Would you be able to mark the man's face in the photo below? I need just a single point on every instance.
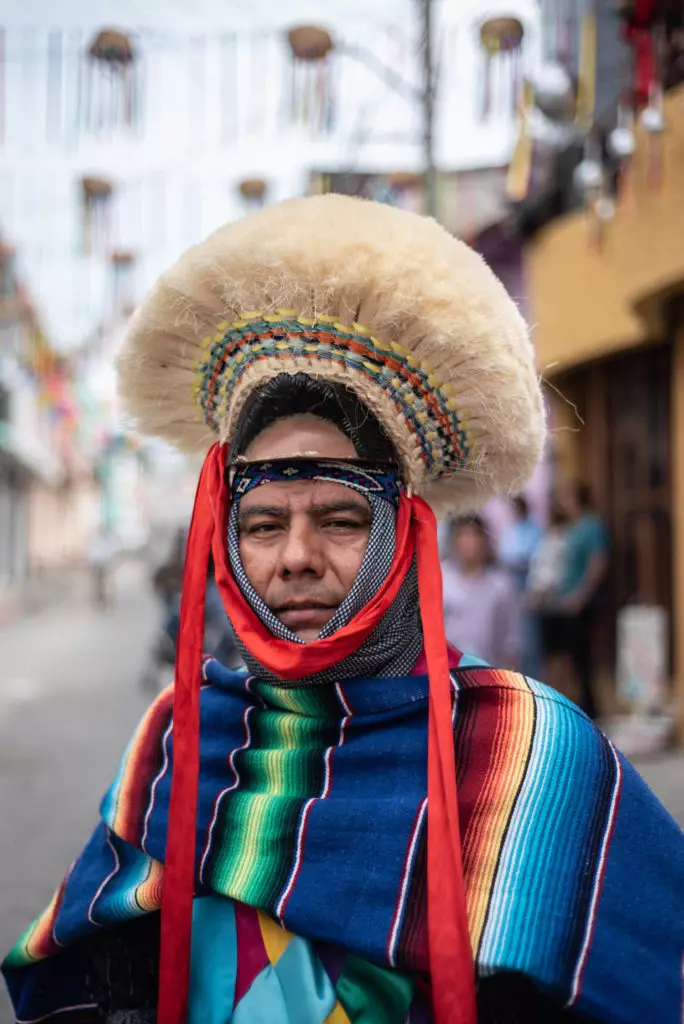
(302, 543)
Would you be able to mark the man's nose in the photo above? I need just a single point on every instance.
(301, 552)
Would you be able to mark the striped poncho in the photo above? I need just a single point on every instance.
(311, 847)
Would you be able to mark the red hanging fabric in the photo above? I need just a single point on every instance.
(179, 871)
(451, 963)
(451, 960)
(638, 33)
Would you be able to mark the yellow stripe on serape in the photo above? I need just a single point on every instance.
(276, 939)
(338, 1016)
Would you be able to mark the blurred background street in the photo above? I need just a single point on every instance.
(69, 701)
(548, 134)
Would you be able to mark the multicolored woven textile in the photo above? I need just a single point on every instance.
(574, 872)
(429, 409)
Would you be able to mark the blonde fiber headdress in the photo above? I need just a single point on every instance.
(372, 297)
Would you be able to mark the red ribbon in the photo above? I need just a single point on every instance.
(638, 33)
(451, 962)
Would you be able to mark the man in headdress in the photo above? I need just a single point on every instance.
(365, 825)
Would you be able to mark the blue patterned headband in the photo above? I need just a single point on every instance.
(381, 480)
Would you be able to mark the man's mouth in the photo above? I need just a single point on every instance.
(304, 614)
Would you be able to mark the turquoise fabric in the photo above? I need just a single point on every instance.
(307, 990)
(585, 539)
(296, 989)
(213, 961)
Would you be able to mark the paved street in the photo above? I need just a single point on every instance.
(68, 703)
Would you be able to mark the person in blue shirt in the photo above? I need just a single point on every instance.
(584, 570)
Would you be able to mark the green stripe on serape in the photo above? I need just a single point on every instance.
(255, 833)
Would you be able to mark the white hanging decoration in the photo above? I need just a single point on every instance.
(554, 92)
(588, 175)
(621, 143)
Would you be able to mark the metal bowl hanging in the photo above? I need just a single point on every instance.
(309, 42)
(501, 40)
(122, 258)
(110, 84)
(253, 190)
(501, 35)
(97, 188)
(112, 47)
(311, 48)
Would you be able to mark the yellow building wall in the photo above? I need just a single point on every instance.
(590, 302)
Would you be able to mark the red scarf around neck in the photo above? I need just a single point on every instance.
(451, 961)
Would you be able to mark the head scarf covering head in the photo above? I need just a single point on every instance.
(394, 646)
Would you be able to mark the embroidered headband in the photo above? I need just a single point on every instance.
(367, 478)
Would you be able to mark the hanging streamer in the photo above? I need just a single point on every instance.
(228, 88)
(54, 86)
(197, 107)
(3, 86)
(97, 198)
(501, 43)
(110, 84)
(311, 101)
(122, 264)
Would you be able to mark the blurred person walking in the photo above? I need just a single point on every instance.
(481, 604)
(519, 541)
(100, 557)
(545, 578)
(585, 566)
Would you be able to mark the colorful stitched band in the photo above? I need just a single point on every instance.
(428, 407)
(383, 481)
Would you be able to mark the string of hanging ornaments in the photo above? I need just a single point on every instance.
(253, 192)
(311, 93)
(110, 86)
(645, 29)
(96, 195)
(501, 43)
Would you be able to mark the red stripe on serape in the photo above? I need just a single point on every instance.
(475, 735)
(407, 946)
(598, 883)
(142, 765)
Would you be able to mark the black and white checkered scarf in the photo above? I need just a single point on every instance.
(394, 646)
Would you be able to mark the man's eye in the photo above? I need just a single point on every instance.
(261, 529)
(343, 524)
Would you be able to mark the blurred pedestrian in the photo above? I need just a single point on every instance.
(518, 544)
(481, 604)
(545, 578)
(585, 567)
(100, 557)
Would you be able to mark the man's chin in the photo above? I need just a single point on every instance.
(308, 635)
